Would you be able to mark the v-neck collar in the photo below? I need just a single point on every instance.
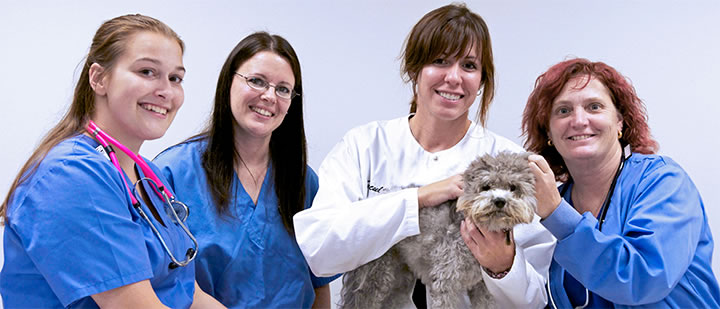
(240, 189)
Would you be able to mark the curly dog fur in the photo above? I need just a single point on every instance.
(498, 193)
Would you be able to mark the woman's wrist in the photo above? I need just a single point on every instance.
(497, 275)
(500, 270)
(547, 211)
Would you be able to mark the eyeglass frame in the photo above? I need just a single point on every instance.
(293, 93)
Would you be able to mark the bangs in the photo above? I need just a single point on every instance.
(454, 39)
(450, 31)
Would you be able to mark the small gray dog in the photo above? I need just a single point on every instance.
(498, 193)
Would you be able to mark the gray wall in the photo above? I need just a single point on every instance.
(349, 50)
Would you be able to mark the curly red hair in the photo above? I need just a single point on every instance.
(536, 117)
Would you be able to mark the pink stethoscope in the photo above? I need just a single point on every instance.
(172, 206)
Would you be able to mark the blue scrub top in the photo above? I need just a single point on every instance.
(654, 250)
(246, 260)
(72, 232)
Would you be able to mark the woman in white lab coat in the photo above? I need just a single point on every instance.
(373, 183)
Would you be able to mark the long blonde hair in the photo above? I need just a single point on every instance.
(107, 45)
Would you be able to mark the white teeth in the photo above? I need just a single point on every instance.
(579, 137)
(449, 96)
(154, 108)
(261, 111)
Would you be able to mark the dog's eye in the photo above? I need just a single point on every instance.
(485, 187)
(512, 188)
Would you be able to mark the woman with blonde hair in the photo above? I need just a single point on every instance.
(88, 222)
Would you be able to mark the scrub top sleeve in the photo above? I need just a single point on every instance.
(523, 286)
(77, 228)
(563, 220)
(342, 220)
(163, 162)
(167, 173)
(322, 281)
(639, 266)
(311, 187)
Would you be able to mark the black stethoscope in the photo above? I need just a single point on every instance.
(601, 219)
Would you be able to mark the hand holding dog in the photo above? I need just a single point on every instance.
(439, 192)
(546, 191)
(489, 248)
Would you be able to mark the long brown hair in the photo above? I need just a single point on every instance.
(288, 150)
(107, 45)
(450, 30)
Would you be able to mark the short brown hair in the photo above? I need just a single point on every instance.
(450, 30)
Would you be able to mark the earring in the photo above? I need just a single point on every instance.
(549, 142)
(619, 134)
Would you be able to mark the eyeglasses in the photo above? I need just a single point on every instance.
(260, 83)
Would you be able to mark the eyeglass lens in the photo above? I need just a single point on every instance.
(260, 83)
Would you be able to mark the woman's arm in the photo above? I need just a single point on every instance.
(343, 220)
(322, 297)
(141, 295)
(204, 300)
(648, 241)
(135, 295)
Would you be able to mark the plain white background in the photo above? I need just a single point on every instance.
(349, 55)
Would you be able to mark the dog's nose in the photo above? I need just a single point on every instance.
(499, 202)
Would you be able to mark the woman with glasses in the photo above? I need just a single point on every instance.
(84, 228)
(245, 177)
(375, 180)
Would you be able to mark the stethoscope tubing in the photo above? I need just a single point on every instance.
(104, 138)
(601, 220)
(158, 187)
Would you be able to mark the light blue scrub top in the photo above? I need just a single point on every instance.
(655, 247)
(72, 232)
(248, 260)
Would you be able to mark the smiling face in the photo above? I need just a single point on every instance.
(584, 122)
(258, 113)
(448, 86)
(139, 97)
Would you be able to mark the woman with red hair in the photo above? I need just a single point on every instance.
(630, 225)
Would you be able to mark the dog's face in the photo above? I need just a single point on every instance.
(499, 191)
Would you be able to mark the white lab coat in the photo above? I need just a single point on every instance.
(367, 202)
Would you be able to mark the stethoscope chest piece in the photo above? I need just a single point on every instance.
(176, 210)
